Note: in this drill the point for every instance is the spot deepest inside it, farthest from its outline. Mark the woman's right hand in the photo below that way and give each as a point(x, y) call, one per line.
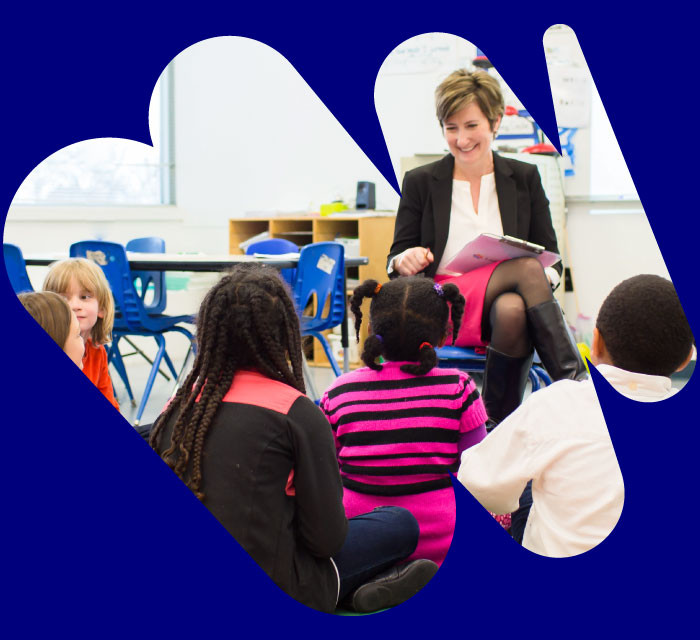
point(413, 260)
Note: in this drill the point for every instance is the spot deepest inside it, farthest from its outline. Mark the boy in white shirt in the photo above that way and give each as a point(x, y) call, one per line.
point(558, 438)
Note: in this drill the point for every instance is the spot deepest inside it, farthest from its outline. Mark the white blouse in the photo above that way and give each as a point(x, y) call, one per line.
point(465, 223)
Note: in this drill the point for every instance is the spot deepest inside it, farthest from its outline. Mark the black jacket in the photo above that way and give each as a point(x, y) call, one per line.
point(423, 218)
point(263, 430)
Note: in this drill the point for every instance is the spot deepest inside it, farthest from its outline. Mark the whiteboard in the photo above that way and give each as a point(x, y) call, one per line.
point(423, 54)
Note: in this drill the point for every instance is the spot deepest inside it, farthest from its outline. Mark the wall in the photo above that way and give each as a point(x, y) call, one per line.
point(609, 239)
point(608, 242)
point(250, 136)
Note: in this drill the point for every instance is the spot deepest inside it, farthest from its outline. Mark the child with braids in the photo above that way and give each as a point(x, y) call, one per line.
point(401, 426)
point(259, 454)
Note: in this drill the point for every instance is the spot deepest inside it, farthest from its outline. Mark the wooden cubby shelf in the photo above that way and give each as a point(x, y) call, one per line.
point(375, 234)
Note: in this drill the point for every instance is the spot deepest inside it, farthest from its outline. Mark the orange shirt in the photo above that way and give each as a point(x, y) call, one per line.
point(95, 368)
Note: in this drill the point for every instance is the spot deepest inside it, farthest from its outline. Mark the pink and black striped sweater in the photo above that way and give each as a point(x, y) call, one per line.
point(397, 437)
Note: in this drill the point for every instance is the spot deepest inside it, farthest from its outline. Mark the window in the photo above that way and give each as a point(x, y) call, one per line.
point(110, 171)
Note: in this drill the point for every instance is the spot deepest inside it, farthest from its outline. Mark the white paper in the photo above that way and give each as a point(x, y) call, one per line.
point(325, 264)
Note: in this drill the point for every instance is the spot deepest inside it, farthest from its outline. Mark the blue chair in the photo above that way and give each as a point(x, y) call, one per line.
point(131, 317)
point(467, 359)
point(275, 246)
point(145, 283)
point(321, 274)
point(150, 280)
point(16, 268)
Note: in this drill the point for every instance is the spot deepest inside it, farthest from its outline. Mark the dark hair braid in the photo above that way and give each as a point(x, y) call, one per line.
point(373, 348)
point(366, 290)
point(200, 409)
point(295, 353)
point(409, 318)
point(427, 360)
point(212, 407)
point(275, 364)
point(246, 320)
point(207, 325)
point(183, 434)
point(457, 305)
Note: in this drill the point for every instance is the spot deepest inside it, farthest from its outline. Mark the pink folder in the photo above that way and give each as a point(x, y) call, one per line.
point(488, 248)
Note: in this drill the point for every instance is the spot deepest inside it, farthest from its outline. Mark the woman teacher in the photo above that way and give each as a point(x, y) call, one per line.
point(472, 190)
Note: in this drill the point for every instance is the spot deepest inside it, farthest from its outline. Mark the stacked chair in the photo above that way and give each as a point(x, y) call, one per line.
point(275, 246)
point(150, 280)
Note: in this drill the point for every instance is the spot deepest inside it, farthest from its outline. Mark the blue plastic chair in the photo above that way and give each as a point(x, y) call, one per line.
point(321, 274)
point(150, 280)
point(16, 268)
point(145, 282)
point(467, 359)
point(131, 317)
point(275, 246)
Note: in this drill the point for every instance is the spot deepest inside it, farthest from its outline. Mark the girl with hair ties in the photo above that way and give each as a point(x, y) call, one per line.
point(473, 190)
point(401, 426)
point(258, 453)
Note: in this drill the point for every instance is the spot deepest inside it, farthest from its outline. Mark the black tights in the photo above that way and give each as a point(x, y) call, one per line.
point(515, 286)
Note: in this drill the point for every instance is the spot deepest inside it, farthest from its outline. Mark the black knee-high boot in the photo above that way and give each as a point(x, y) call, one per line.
point(505, 378)
point(553, 342)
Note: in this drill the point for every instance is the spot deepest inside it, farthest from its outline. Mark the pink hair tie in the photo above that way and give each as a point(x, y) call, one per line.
point(425, 344)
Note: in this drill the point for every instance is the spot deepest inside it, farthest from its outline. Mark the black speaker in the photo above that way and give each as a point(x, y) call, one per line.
point(365, 196)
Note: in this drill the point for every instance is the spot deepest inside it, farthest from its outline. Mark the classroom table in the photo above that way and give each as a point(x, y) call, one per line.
point(205, 263)
point(188, 262)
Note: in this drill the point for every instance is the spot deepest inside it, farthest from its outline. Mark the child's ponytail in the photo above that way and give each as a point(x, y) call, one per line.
point(457, 304)
point(374, 344)
point(368, 289)
point(373, 348)
point(427, 360)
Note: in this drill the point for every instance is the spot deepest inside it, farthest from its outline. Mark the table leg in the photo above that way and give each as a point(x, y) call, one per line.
point(344, 329)
point(311, 391)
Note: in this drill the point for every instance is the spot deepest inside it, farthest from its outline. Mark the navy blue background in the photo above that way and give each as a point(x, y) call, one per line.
point(100, 537)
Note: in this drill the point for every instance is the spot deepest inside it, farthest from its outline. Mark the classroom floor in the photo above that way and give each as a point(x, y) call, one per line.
point(138, 370)
point(177, 345)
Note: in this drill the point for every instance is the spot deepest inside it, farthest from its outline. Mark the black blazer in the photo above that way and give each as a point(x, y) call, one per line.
point(423, 218)
point(253, 443)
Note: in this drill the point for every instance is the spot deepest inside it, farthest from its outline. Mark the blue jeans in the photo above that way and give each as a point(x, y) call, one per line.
point(519, 517)
point(375, 541)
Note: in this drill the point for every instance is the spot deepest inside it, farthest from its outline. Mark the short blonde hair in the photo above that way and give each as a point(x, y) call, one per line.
point(462, 87)
point(91, 278)
point(52, 313)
